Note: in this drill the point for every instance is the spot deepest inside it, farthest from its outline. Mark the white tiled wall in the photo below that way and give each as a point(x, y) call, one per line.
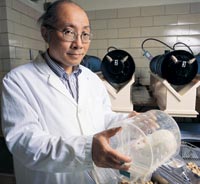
point(127, 28)
point(18, 34)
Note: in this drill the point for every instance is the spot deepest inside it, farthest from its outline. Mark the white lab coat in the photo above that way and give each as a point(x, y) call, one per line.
point(48, 133)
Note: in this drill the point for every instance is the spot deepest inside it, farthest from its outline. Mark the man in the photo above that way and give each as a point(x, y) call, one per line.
point(55, 112)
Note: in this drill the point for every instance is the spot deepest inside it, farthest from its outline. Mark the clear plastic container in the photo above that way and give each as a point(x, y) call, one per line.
point(150, 139)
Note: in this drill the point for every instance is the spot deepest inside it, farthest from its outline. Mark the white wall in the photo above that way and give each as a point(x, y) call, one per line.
point(109, 4)
point(113, 4)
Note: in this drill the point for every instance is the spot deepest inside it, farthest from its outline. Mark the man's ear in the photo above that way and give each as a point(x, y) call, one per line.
point(45, 34)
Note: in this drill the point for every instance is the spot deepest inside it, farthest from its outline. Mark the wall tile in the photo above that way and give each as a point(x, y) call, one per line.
point(3, 15)
point(6, 26)
point(2, 3)
point(136, 42)
point(195, 29)
point(17, 62)
point(5, 65)
point(10, 26)
point(22, 53)
point(129, 32)
point(135, 53)
point(141, 21)
point(99, 44)
point(91, 15)
point(3, 26)
point(151, 43)
point(177, 9)
point(165, 31)
point(21, 7)
point(142, 62)
point(102, 53)
point(4, 52)
point(15, 40)
point(33, 44)
point(195, 7)
point(8, 3)
point(118, 23)
point(33, 13)
point(92, 52)
point(119, 43)
point(165, 20)
point(102, 34)
point(28, 21)
point(177, 30)
point(189, 19)
point(106, 14)
point(128, 12)
point(98, 24)
point(13, 15)
point(26, 42)
point(19, 29)
point(153, 31)
point(190, 40)
point(152, 10)
point(12, 52)
point(4, 39)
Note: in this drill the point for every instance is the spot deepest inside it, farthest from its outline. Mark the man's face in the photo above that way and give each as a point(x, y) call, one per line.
point(69, 53)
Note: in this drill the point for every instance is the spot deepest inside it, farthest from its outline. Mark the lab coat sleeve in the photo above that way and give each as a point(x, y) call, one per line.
point(31, 145)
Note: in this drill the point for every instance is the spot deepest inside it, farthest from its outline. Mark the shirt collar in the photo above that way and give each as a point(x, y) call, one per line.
point(58, 70)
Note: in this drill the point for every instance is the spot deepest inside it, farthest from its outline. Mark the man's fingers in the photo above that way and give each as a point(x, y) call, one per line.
point(133, 113)
point(113, 162)
point(117, 160)
point(112, 131)
point(119, 156)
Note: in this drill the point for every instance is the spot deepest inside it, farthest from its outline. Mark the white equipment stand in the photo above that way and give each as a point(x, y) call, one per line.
point(179, 103)
point(121, 100)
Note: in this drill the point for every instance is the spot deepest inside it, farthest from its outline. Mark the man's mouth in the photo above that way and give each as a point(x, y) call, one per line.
point(75, 54)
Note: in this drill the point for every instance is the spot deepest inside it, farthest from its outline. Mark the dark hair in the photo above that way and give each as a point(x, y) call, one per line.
point(49, 17)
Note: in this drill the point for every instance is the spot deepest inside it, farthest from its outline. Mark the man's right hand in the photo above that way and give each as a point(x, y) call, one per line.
point(104, 155)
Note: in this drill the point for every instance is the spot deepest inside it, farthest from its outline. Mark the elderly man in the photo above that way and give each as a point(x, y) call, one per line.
point(55, 112)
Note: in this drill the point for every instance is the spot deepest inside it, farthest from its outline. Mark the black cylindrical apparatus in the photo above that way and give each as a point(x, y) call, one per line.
point(117, 66)
point(178, 67)
point(198, 61)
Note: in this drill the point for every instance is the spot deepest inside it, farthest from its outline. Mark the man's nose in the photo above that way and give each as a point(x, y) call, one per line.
point(77, 42)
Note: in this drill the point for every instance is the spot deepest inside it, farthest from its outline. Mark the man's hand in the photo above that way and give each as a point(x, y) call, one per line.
point(132, 114)
point(104, 155)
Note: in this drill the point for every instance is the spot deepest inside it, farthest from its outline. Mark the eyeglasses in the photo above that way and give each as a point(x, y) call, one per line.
point(70, 35)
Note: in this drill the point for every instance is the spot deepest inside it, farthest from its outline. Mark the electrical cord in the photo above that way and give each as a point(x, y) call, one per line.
point(178, 43)
point(172, 48)
point(111, 47)
point(148, 55)
point(154, 39)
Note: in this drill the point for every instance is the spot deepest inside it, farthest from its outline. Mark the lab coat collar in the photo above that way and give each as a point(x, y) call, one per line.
point(52, 78)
